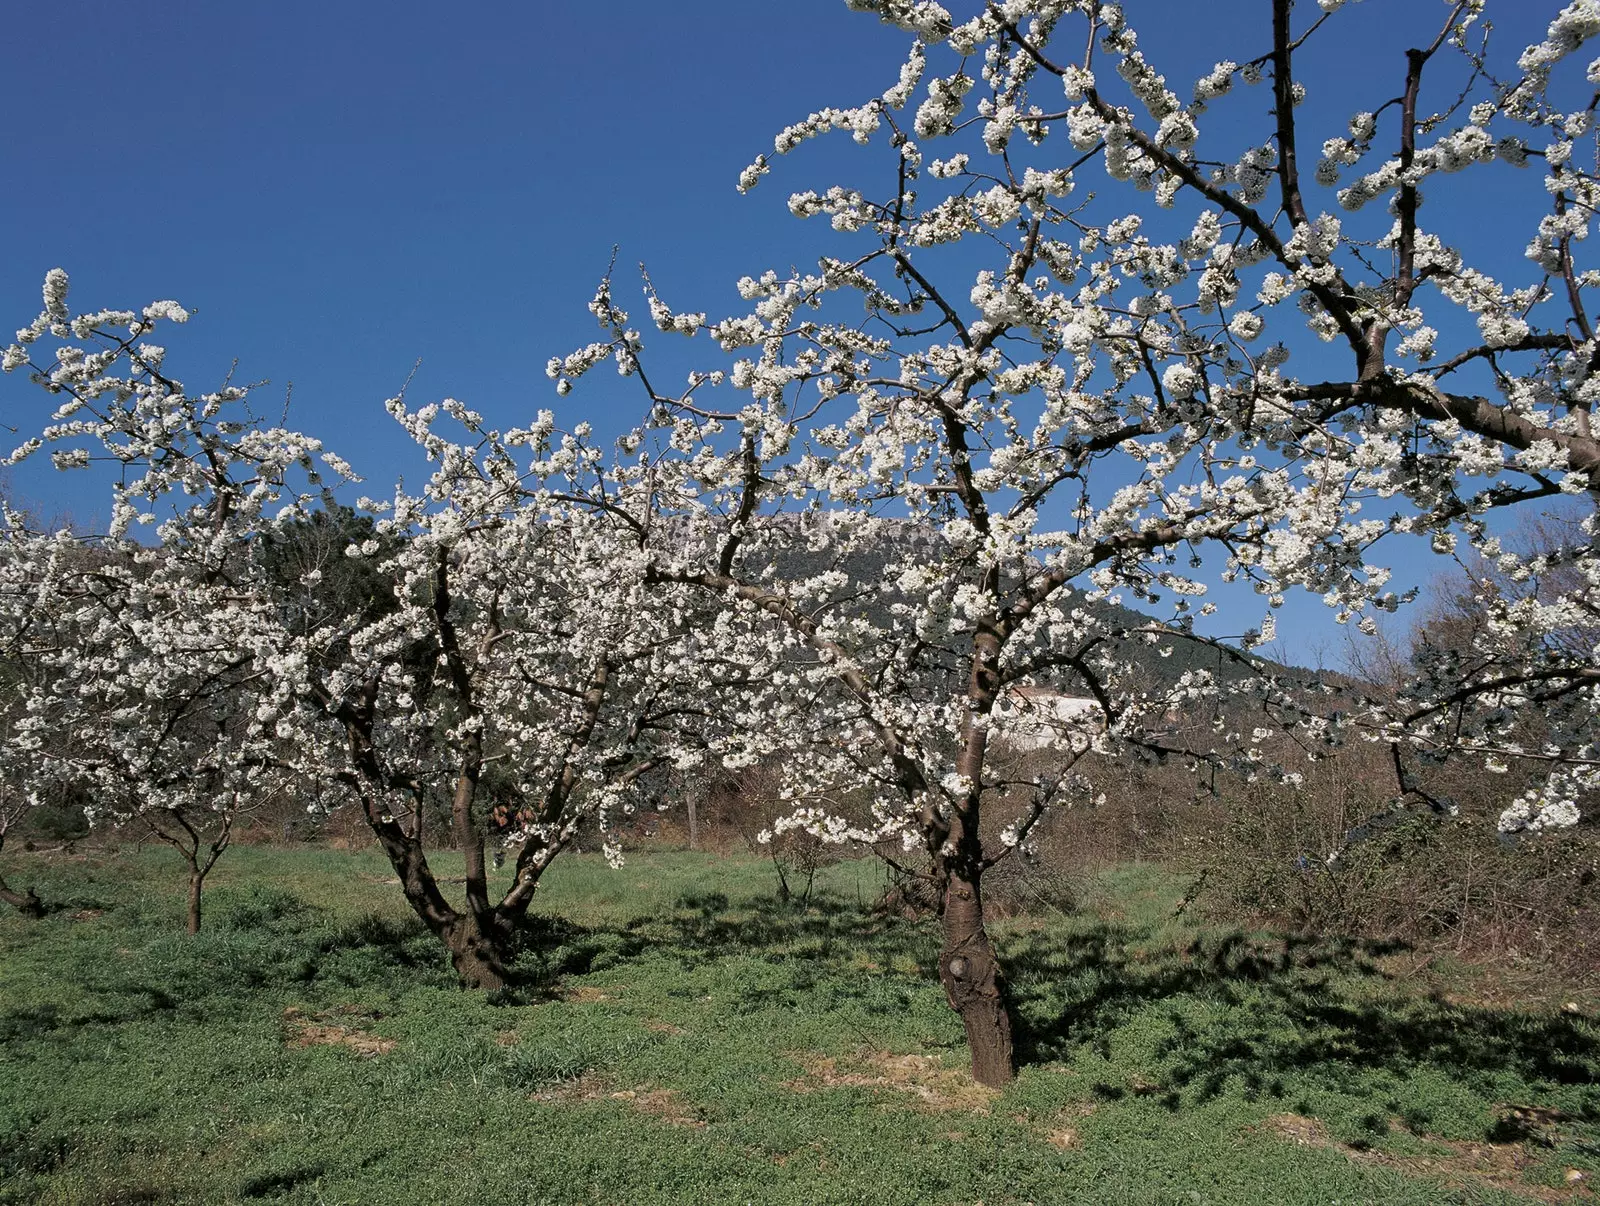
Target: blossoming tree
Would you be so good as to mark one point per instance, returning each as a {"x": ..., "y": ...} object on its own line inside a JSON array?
[
  {"x": 152, "y": 671},
  {"x": 1062, "y": 330},
  {"x": 498, "y": 649},
  {"x": 14, "y": 801},
  {"x": 526, "y": 676}
]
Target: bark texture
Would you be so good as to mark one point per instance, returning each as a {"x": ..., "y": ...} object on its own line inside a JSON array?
[
  {"x": 478, "y": 952},
  {"x": 27, "y": 903},
  {"x": 478, "y": 939},
  {"x": 197, "y": 880},
  {"x": 973, "y": 983}
]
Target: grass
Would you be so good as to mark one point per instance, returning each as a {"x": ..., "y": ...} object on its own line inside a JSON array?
[{"x": 684, "y": 1038}]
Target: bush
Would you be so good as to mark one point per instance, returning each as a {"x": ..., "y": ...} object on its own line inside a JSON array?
[{"x": 1333, "y": 858}]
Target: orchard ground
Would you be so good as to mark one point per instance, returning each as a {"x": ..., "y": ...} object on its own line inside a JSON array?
[{"x": 684, "y": 1037}]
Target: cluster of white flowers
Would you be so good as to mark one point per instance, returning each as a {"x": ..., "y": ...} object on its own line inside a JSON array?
[
  {"x": 726, "y": 588},
  {"x": 1535, "y": 810},
  {"x": 1573, "y": 26},
  {"x": 939, "y": 112}
]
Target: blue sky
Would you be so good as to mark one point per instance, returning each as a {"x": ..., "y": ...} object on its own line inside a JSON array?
[{"x": 339, "y": 189}]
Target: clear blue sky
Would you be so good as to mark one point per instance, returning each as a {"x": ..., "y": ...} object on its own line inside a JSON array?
[{"x": 339, "y": 189}]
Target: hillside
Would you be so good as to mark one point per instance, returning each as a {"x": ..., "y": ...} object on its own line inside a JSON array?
[{"x": 801, "y": 547}]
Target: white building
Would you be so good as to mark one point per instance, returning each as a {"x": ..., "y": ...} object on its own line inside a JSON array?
[{"x": 1036, "y": 718}]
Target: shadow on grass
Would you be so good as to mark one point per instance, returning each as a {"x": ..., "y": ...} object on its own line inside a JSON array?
[
  {"x": 827, "y": 928},
  {"x": 1216, "y": 1008},
  {"x": 1253, "y": 1011},
  {"x": 49, "y": 1020},
  {"x": 1294, "y": 1006},
  {"x": 124, "y": 974}
]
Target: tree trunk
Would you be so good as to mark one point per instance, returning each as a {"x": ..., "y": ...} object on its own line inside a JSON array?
[
  {"x": 967, "y": 967},
  {"x": 478, "y": 938},
  {"x": 477, "y": 952},
  {"x": 694, "y": 822},
  {"x": 478, "y": 949},
  {"x": 973, "y": 984},
  {"x": 27, "y": 903},
  {"x": 192, "y": 917}
]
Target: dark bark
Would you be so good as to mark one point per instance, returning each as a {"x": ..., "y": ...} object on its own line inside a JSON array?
[
  {"x": 478, "y": 940},
  {"x": 197, "y": 879},
  {"x": 417, "y": 882},
  {"x": 478, "y": 951},
  {"x": 973, "y": 983},
  {"x": 27, "y": 902},
  {"x": 968, "y": 969}
]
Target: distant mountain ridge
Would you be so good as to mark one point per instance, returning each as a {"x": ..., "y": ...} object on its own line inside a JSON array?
[{"x": 808, "y": 548}]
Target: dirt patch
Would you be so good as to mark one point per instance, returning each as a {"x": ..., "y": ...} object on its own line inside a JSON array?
[
  {"x": 507, "y": 1038},
  {"x": 1061, "y": 1132},
  {"x": 334, "y": 1028},
  {"x": 1459, "y": 1163},
  {"x": 656, "y": 1027},
  {"x": 587, "y": 1087},
  {"x": 1300, "y": 1130},
  {"x": 664, "y": 1104},
  {"x": 1063, "y": 1138},
  {"x": 936, "y": 1088},
  {"x": 583, "y": 994},
  {"x": 87, "y": 914},
  {"x": 1519, "y": 1123}
]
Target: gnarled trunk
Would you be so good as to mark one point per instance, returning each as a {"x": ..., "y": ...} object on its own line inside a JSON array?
[
  {"x": 478, "y": 938},
  {"x": 478, "y": 952},
  {"x": 478, "y": 941},
  {"x": 27, "y": 903},
  {"x": 973, "y": 983}
]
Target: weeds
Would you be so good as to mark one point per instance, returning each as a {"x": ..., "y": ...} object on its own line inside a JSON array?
[{"x": 680, "y": 1036}]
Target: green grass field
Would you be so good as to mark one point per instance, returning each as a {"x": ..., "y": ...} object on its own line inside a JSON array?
[{"x": 686, "y": 1038}]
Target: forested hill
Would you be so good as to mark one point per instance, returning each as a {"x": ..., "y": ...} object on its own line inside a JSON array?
[{"x": 807, "y": 551}]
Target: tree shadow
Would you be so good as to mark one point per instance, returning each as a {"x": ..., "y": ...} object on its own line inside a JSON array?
[
  {"x": 1298, "y": 1007},
  {"x": 1294, "y": 1010},
  {"x": 49, "y": 1021},
  {"x": 396, "y": 939},
  {"x": 859, "y": 957},
  {"x": 827, "y": 929}
]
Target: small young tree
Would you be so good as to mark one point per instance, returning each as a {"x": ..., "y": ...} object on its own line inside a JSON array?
[
  {"x": 1081, "y": 290},
  {"x": 151, "y": 671},
  {"x": 14, "y": 805}
]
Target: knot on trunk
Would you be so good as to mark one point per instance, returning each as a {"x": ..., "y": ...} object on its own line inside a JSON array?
[{"x": 969, "y": 976}]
